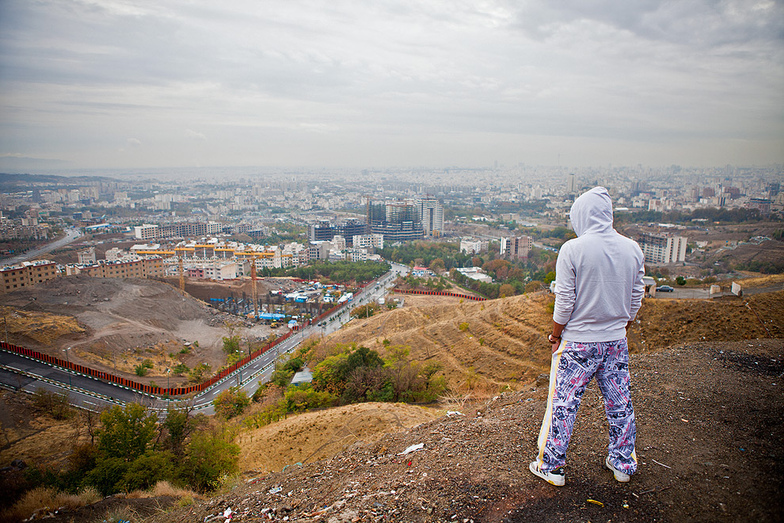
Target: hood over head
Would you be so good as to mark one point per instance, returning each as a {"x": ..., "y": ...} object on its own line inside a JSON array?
[{"x": 592, "y": 212}]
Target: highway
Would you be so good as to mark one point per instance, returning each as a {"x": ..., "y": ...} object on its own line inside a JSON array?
[
  {"x": 70, "y": 236},
  {"x": 26, "y": 374}
]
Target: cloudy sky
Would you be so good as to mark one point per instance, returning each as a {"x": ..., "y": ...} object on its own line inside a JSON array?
[{"x": 374, "y": 83}]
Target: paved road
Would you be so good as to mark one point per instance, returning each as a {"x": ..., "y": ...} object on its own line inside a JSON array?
[
  {"x": 70, "y": 236},
  {"x": 21, "y": 373}
]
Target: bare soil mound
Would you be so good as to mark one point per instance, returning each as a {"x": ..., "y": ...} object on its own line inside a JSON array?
[
  {"x": 489, "y": 345},
  {"x": 662, "y": 323},
  {"x": 710, "y": 443},
  {"x": 321, "y": 434},
  {"x": 115, "y": 324}
]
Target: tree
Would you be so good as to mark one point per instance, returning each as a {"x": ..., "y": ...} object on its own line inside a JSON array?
[
  {"x": 210, "y": 456},
  {"x": 231, "y": 402},
  {"x": 147, "y": 470},
  {"x": 231, "y": 344},
  {"x": 437, "y": 266},
  {"x": 178, "y": 424},
  {"x": 126, "y": 432}
]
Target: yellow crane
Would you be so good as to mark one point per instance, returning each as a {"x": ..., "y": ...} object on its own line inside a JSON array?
[
  {"x": 181, "y": 273},
  {"x": 254, "y": 291}
]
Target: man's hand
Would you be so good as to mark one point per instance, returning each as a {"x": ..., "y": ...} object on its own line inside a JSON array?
[
  {"x": 555, "y": 341},
  {"x": 555, "y": 337}
]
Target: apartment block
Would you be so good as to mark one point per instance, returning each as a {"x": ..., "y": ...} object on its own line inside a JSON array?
[
  {"x": 140, "y": 268},
  {"x": 470, "y": 246},
  {"x": 431, "y": 214},
  {"x": 663, "y": 248},
  {"x": 367, "y": 241},
  {"x": 27, "y": 274},
  {"x": 516, "y": 248}
]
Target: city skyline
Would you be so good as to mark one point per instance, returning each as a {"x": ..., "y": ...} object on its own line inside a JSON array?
[{"x": 134, "y": 85}]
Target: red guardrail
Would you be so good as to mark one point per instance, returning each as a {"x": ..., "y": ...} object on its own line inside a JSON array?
[{"x": 440, "y": 293}]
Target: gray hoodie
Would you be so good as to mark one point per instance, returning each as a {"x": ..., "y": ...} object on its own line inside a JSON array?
[{"x": 598, "y": 275}]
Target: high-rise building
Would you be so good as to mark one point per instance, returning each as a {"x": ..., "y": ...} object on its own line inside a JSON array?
[
  {"x": 400, "y": 221},
  {"x": 516, "y": 248},
  {"x": 663, "y": 248},
  {"x": 571, "y": 184},
  {"x": 322, "y": 231},
  {"x": 431, "y": 214}
]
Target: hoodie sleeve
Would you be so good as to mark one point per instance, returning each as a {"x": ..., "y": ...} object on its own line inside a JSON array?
[
  {"x": 565, "y": 281},
  {"x": 638, "y": 289}
]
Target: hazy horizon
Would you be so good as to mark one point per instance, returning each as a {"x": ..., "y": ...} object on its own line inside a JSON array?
[{"x": 134, "y": 85}]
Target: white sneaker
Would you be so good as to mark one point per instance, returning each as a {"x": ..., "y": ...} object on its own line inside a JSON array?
[
  {"x": 554, "y": 477},
  {"x": 619, "y": 476}
]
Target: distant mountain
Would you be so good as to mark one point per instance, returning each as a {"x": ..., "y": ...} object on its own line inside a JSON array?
[{"x": 15, "y": 181}]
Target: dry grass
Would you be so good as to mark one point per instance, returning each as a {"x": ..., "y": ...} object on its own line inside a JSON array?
[
  {"x": 39, "y": 326},
  {"x": 46, "y": 499},
  {"x": 502, "y": 342},
  {"x": 755, "y": 280},
  {"x": 162, "y": 488},
  {"x": 311, "y": 436}
]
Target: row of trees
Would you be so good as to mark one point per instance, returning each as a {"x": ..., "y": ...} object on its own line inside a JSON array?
[
  {"x": 443, "y": 256},
  {"x": 335, "y": 272},
  {"x": 132, "y": 450},
  {"x": 722, "y": 215}
]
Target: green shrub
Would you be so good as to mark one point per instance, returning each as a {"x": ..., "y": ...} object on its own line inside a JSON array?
[
  {"x": 199, "y": 373},
  {"x": 209, "y": 457},
  {"x": 231, "y": 402}
]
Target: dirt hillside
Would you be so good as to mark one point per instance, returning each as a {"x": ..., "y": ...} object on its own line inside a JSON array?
[
  {"x": 710, "y": 443},
  {"x": 707, "y": 391},
  {"x": 502, "y": 341},
  {"x": 313, "y": 436}
]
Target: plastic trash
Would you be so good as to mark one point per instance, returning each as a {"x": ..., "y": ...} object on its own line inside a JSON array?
[
  {"x": 412, "y": 448},
  {"x": 451, "y": 413}
]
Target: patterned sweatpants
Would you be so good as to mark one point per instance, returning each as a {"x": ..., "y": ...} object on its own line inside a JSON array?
[{"x": 572, "y": 367}]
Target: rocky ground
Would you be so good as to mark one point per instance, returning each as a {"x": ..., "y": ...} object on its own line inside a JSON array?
[{"x": 711, "y": 429}]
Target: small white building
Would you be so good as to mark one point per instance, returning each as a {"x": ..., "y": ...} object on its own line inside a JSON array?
[
  {"x": 470, "y": 246},
  {"x": 475, "y": 273}
]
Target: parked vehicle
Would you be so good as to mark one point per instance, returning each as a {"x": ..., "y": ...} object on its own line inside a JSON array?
[{"x": 664, "y": 288}]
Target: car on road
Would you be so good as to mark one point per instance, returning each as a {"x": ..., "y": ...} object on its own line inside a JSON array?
[{"x": 664, "y": 288}]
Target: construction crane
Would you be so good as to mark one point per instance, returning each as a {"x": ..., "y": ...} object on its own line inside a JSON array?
[
  {"x": 181, "y": 273},
  {"x": 254, "y": 290}
]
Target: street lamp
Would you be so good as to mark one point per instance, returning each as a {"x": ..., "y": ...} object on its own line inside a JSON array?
[{"x": 68, "y": 360}]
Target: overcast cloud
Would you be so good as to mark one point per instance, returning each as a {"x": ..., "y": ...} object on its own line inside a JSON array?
[{"x": 125, "y": 84}]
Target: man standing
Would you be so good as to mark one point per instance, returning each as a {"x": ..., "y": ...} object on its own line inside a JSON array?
[{"x": 598, "y": 291}]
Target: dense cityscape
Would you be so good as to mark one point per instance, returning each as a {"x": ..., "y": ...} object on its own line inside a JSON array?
[{"x": 290, "y": 219}]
